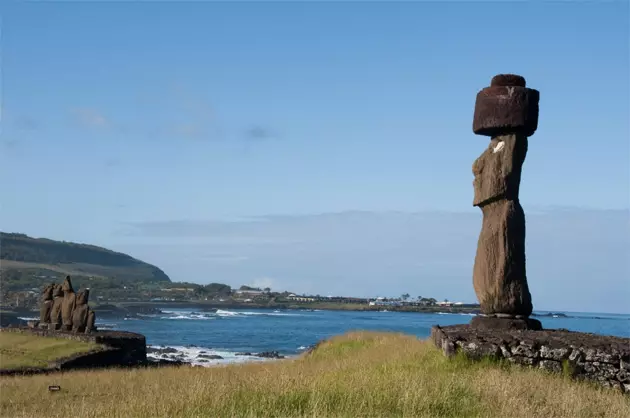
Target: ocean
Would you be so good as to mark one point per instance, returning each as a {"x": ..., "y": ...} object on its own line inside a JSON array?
[{"x": 189, "y": 334}]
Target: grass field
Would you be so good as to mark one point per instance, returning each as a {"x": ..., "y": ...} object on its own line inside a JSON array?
[
  {"x": 356, "y": 375},
  {"x": 19, "y": 350}
]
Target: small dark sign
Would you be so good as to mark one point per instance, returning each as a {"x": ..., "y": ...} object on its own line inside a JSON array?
[{"x": 54, "y": 388}]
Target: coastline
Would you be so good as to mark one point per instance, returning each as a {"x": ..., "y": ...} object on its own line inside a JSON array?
[{"x": 322, "y": 306}]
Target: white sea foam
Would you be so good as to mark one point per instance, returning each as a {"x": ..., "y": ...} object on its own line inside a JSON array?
[
  {"x": 189, "y": 316},
  {"x": 105, "y": 326},
  {"x": 28, "y": 318},
  {"x": 302, "y": 347},
  {"x": 191, "y": 355},
  {"x": 221, "y": 312}
]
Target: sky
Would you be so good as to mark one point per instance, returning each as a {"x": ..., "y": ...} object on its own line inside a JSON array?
[{"x": 321, "y": 147}]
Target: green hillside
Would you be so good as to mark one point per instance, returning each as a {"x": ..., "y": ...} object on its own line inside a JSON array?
[{"x": 26, "y": 261}]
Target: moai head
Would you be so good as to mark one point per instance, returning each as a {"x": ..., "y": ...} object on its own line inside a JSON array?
[
  {"x": 506, "y": 107},
  {"x": 57, "y": 291},
  {"x": 67, "y": 286},
  {"x": 83, "y": 296},
  {"x": 47, "y": 293}
]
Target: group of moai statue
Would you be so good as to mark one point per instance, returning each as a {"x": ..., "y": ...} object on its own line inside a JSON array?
[
  {"x": 64, "y": 310},
  {"x": 507, "y": 112}
]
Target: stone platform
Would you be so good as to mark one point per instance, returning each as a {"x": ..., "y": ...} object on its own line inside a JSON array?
[
  {"x": 602, "y": 359},
  {"x": 120, "y": 349}
]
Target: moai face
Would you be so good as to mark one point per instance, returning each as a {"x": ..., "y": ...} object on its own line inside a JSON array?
[
  {"x": 47, "y": 293},
  {"x": 82, "y": 297},
  {"x": 57, "y": 291},
  {"x": 67, "y": 285}
]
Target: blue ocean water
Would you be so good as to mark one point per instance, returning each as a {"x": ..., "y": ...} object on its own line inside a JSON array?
[{"x": 227, "y": 332}]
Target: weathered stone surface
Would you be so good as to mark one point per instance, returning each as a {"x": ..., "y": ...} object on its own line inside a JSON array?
[
  {"x": 557, "y": 354},
  {"x": 546, "y": 349},
  {"x": 507, "y": 106},
  {"x": 46, "y": 305},
  {"x": 499, "y": 275},
  {"x": 55, "y": 313},
  {"x": 526, "y": 348},
  {"x": 508, "y": 80},
  {"x": 522, "y": 360},
  {"x": 505, "y": 323},
  {"x": 550, "y": 365},
  {"x": 67, "y": 307}
]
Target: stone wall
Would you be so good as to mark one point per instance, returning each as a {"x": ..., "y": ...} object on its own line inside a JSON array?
[
  {"x": 119, "y": 349},
  {"x": 598, "y": 358}
]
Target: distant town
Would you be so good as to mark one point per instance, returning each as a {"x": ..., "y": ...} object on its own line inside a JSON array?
[{"x": 218, "y": 293}]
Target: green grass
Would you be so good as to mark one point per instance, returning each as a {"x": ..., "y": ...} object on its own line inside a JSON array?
[
  {"x": 18, "y": 350},
  {"x": 355, "y": 375}
]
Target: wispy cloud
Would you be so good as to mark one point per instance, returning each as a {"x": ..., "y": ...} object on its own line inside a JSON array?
[{"x": 89, "y": 118}]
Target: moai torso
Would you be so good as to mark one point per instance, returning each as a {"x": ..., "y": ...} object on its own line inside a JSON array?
[{"x": 498, "y": 170}]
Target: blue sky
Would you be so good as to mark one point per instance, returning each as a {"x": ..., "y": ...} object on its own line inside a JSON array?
[{"x": 213, "y": 138}]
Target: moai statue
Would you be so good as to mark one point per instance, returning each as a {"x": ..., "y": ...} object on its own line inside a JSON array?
[
  {"x": 91, "y": 322},
  {"x": 69, "y": 302},
  {"x": 507, "y": 112},
  {"x": 81, "y": 311},
  {"x": 55, "y": 313},
  {"x": 45, "y": 307}
]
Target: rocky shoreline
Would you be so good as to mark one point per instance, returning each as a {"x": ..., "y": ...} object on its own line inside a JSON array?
[{"x": 202, "y": 356}]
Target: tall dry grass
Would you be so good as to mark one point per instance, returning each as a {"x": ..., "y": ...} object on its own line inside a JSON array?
[{"x": 356, "y": 375}]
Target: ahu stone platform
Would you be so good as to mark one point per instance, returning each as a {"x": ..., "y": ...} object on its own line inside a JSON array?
[
  {"x": 119, "y": 349},
  {"x": 598, "y": 358}
]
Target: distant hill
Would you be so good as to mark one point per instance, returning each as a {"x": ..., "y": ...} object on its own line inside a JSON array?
[{"x": 26, "y": 260}]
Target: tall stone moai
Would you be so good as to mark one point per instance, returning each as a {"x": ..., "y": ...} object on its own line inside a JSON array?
[
  {"x": 68, "y": 304},
  {"x": 46, "y": 305},
  {"x": 507, "y": 112}
]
